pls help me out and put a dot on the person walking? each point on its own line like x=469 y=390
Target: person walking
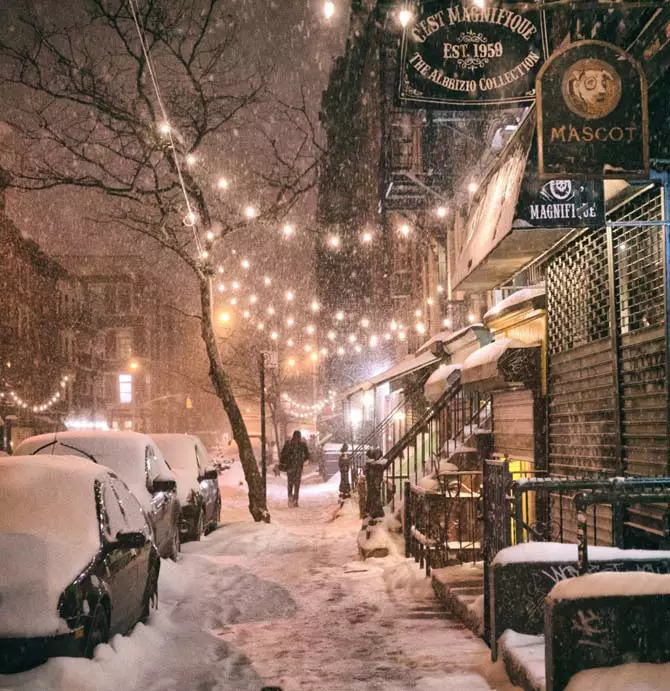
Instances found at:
x=344 y=464
x=293 y=456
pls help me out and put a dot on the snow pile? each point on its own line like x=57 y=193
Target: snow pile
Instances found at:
x=558 y=552
x=515 y=299
x=476 y=611
x=610 y=584
x=490 y=353
x=640 y=676
x=525 y=654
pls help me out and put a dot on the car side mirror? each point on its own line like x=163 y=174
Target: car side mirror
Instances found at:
x=209 y=474
x=129 y=539
x=161 y=485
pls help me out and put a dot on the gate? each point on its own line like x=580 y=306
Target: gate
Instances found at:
x=607 y=355
x=497 y=532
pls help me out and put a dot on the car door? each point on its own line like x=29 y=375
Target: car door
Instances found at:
x=160 y=503
x=136 y=522
x=206 y=488
x=120 y=567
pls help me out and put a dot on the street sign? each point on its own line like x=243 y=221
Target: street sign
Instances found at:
x=271 y=359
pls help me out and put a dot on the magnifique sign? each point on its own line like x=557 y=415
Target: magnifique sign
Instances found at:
x=462 y=55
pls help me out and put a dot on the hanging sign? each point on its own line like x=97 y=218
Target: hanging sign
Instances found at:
x=460 y=55
x=592 y=114
x=560 y=204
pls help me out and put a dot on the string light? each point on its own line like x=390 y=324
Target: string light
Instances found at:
x=288 y=230
x=164 y=128
x=210 y=235
x=331 y=336
x=334 y=241
x=222 y=287
x=245 y=264
x=366 y=237
x=42 y=406
x=223 y=184
x=290 y=321
x=446 y=323
x=190 y=219
x=253 y=299
x=267 y=280
x=250 y=212
x=236 y=285
x=289 y=295
x=310 y=329
x=405 y=230
x=271 y=311
x=314 y=306
x=473 y=187
x=365 y=322
x=441 y=211
x=339 y=315
x=191 y=160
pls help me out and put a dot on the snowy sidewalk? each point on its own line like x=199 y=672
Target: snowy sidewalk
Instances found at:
x=288 y=605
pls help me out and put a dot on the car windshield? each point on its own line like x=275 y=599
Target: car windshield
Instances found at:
x=179 y=452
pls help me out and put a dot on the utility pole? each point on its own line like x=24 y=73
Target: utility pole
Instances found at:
x=264 y=472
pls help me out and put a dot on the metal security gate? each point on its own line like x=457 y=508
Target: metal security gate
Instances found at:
x=607 y=355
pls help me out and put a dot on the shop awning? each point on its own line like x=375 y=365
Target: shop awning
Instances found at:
x=440 y=380
x=533 y=297
x=503 y=364
x=409 y=364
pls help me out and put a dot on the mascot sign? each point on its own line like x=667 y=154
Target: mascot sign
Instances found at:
x=592 y=114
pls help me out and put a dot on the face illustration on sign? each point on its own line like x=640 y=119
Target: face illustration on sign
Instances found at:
x=591 y=88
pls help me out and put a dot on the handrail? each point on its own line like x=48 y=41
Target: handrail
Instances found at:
x=379 y=428
x=412 y=432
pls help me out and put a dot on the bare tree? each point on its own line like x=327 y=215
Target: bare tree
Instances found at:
x=85 y=114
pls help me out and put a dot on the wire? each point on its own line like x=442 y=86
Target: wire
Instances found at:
x=161 y=105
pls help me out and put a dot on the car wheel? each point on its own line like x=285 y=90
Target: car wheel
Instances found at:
x=200 y=526
x=98 y=630
x=175 y=548
x=216 y=519
x=149 y=591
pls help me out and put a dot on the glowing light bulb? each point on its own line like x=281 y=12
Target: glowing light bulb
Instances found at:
x=164 y=128
x=260 y=326
x=387 y=337
x=420 y=328
x=220 y=269
x=394 y=325
x=274 y=335
x=405 y=230
x=308 y=348
x=250 y=212
x=289 y=295
x=440 y=289
x=373 y=341
x=204 y=254
x=402 y=336
x=223 y=184
x=417 y=313
x=339 y=316
x=310 y=329
x=429 y=301
x=366 y=237
x=334 y=241
x=358 y=348
x=314 y=306
x=236 y=285
x=271 y=311
x=288 y=230
x=190 y=219
x=471 y=317
x=473 y=187
x=314 y=357
x=331 y=336
x=191 y=160
x=291 y=362
x=245 y=264
x=405 y=17
x=446 y=323
x=290 y=343
x=441 y=211
x=365 y=322
x=233 y=301
x=340 y=351
x=267 y=280
x=253 y=299
x=328 y=10
x=209 y=235
x=352 y=338
x=224 y=317
x=290 y=321
x=246 y=314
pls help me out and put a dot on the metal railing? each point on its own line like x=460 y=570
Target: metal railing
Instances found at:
x=443 y=526
x=438 y=433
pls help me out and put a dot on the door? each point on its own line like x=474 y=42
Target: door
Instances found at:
x=136 y=522
x=160 y=504
x=120 y=563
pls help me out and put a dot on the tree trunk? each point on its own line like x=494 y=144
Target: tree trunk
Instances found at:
x=221 y=383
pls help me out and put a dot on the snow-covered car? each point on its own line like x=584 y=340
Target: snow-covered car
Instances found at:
x=78 y=564
x=136 y=459
x=197 y=483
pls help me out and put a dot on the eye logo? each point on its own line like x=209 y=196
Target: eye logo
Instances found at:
x=591 y=88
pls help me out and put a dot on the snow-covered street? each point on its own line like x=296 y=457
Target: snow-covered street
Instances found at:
x=287 y=605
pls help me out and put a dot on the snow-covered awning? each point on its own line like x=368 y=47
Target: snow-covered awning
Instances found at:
x=533 y=297
x=503 y=364
x=409 y=364
x=440 y=380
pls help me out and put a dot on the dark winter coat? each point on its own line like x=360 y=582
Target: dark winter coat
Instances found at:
x=294 y=454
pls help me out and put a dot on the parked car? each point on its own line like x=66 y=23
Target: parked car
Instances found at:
x=197 y=483
x=78 y=563
x=136 y=459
